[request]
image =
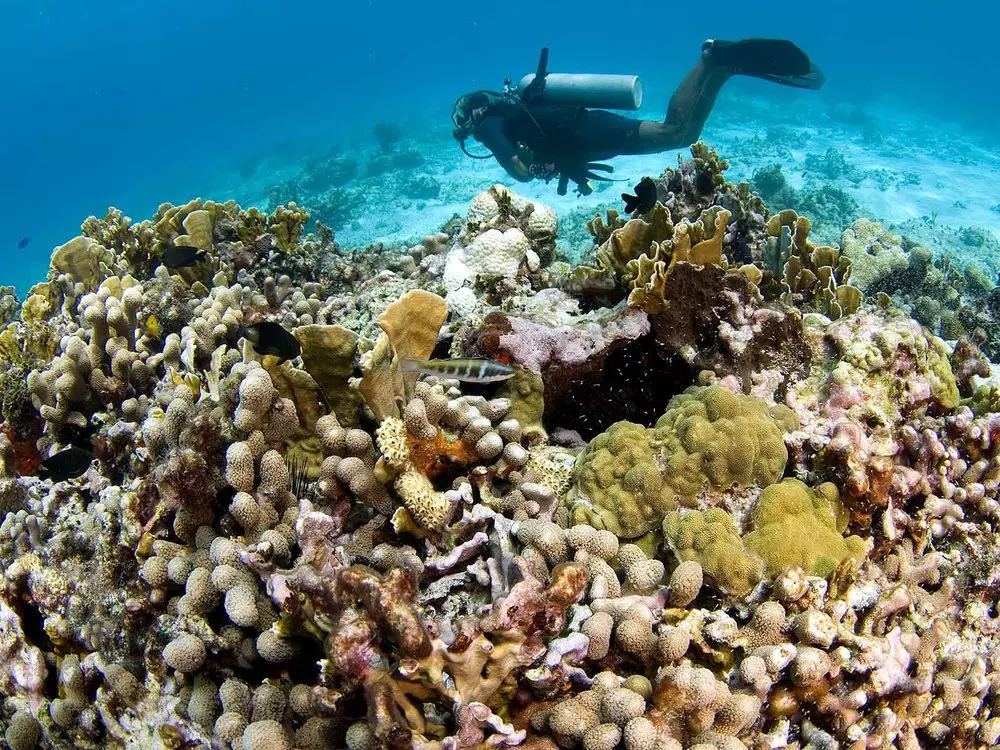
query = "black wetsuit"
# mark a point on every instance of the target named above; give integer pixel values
(568, 137)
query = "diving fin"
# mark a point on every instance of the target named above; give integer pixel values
(777, 60)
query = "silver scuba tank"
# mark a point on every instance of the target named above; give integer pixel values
(579, 89)
(596, 90)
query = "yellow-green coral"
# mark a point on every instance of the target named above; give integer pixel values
(894, 361)
(526, 391)
(619, 486)
(712, 540)
(811, 275)
(629, 477)
(328, 353)
(82, 258)
(286, 224)
(797, 525)
(710, 437)
(131, 242)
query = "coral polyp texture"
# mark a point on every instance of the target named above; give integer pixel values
(732, 495)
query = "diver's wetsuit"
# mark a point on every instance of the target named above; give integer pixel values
(558, 134)
(569, 138)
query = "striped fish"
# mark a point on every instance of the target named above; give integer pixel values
(469, 370)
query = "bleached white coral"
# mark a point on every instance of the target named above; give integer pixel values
(496, 253)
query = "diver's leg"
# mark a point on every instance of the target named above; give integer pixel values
(688, 109)
(776, 60)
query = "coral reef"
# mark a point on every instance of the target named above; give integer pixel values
(722, 501)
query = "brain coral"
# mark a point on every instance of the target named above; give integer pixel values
(709, 438)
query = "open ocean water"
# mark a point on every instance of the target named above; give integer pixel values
(133, 104)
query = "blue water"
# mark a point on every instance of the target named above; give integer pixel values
(137, 103)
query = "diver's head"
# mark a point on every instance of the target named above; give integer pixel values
(468, 112)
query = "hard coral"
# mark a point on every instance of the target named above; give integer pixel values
(796, 525)
(712, 540)
(707, 440)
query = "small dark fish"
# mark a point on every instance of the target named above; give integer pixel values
(644, 198)
(23, 243)
(182, 256)
(66, 464)
(469, 370)
(271, 338)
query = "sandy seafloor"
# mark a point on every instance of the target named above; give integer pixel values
(912, 168)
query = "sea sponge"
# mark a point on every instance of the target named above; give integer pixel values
(712, 540)
(796, 525)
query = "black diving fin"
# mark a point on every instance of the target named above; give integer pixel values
(777, 60)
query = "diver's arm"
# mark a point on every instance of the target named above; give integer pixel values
(490, 134)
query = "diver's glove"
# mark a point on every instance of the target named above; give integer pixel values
(582, 173)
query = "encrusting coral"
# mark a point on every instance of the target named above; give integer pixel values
(722, 501)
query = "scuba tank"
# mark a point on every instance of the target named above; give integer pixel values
(600, 91)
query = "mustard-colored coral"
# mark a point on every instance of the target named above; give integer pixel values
(650, 282)
(811, 275)
(712, 540)
(526, 391)
(708, 250)
(81, 258)
(619, 486)
(410, 328)
(797, 525)
(709, 439)
(714, 438)
(286, 224)
(328, 353)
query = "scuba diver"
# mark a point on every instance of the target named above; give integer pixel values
(548, 125)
